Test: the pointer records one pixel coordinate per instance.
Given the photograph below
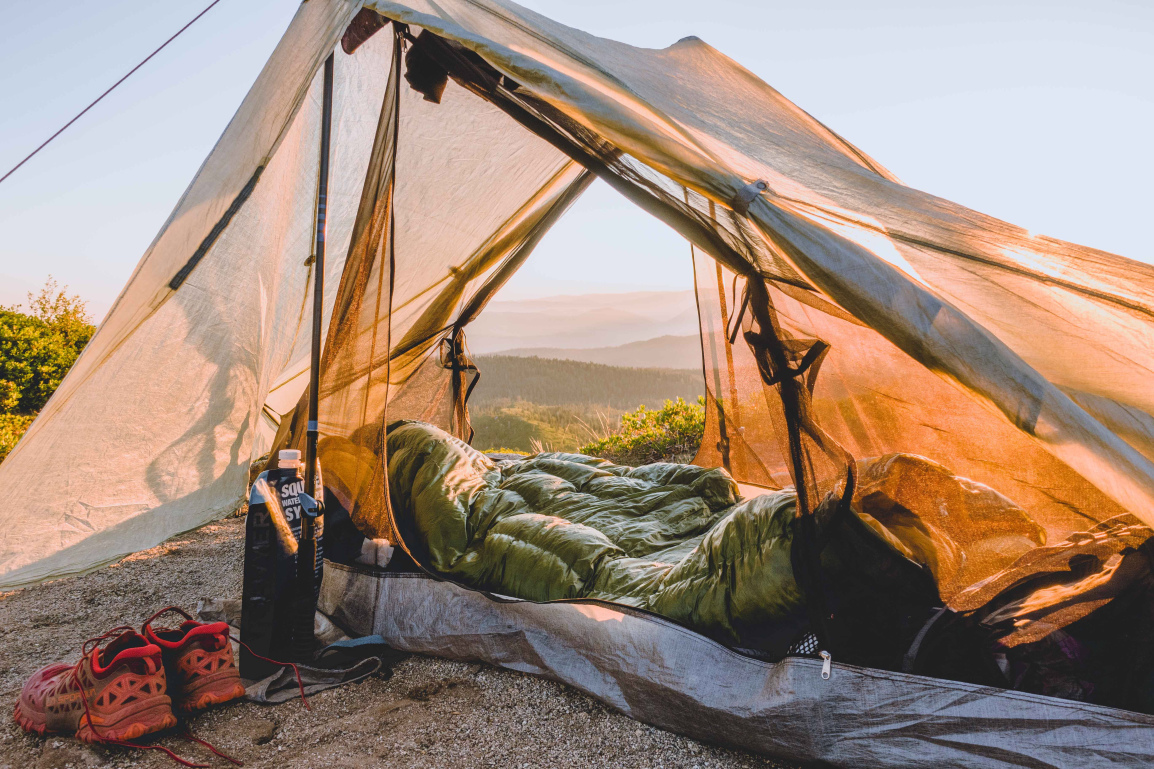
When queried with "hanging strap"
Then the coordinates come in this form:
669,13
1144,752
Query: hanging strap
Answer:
455,357
773,349
812,358
909,661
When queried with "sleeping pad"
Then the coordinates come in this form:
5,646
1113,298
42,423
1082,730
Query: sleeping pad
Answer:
677,540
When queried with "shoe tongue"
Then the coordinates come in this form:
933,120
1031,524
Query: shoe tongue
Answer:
174,635
129,639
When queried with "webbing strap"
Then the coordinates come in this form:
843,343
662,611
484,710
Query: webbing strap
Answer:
216,230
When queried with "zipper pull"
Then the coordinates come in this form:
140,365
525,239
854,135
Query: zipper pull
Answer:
826,664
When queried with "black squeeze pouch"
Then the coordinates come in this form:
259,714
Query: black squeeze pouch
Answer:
276,503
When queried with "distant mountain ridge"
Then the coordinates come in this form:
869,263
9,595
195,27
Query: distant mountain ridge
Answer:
669,352
582,322
568,382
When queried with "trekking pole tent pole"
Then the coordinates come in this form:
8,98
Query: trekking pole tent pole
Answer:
303,640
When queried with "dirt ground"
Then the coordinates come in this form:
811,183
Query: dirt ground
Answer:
429,713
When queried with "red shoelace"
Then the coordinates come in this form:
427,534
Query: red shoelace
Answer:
190,618
94,643
85,650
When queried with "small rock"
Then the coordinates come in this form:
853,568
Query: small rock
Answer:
67,754
423,692
258,731
377,712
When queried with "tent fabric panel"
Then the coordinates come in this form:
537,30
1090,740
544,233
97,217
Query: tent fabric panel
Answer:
678,110
1110,358
694,116
249,142
445,246
423,260
946,341
739,434
659,673
874,400
158,439
422,389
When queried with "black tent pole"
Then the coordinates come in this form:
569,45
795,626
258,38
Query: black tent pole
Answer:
303,640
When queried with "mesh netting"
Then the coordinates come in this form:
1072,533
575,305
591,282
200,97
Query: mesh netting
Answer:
806,646
800,392
423,261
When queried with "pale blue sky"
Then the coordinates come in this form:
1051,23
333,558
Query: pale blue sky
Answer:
1035,112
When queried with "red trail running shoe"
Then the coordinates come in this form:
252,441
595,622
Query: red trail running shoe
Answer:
114,693
199,661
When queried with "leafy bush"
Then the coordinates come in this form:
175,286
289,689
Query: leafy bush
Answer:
12,426
669,434
38,347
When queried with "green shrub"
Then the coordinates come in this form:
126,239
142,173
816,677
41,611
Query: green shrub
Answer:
38,347
672,433
12,426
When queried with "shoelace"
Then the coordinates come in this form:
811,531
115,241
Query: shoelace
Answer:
92,644
188,735
296,671
148,622
75,673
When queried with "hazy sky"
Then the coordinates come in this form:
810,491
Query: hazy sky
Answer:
1035,112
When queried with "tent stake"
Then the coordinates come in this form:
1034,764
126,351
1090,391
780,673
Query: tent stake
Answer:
303,639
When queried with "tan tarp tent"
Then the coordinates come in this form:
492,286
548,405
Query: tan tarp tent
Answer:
913,323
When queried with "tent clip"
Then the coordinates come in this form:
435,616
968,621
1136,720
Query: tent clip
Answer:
826,664
309,505
746,195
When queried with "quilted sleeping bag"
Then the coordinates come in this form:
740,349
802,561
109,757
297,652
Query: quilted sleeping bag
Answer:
678,540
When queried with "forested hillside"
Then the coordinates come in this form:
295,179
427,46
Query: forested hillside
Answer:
550,382
530,404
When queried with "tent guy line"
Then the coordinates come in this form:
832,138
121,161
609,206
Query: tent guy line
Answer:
110,89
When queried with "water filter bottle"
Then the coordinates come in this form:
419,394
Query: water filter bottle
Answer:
276,503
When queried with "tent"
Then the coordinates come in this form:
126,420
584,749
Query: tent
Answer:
843,315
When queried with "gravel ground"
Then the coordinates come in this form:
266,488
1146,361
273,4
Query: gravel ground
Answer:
430,713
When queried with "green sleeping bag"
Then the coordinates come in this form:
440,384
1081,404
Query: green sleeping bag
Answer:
672,539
